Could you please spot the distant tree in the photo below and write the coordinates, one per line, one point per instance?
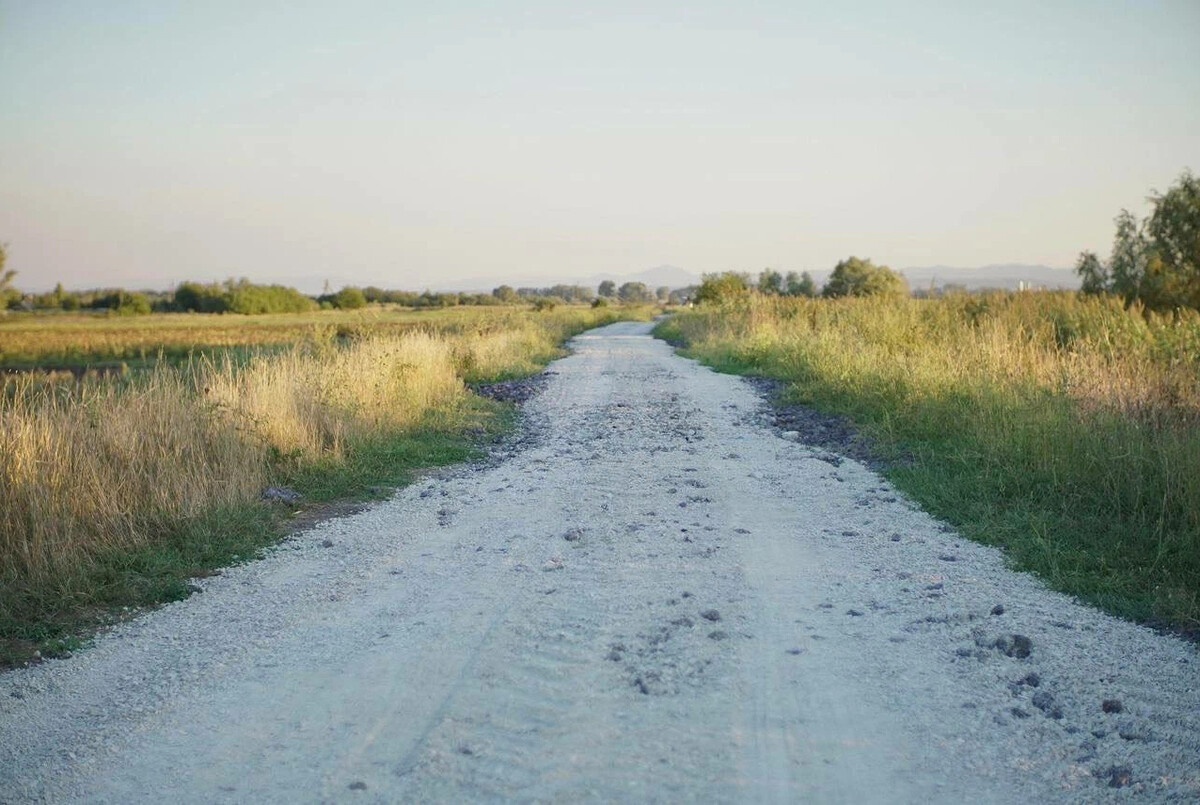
(720, 288)
(1093, 273)
(770, 282)
(607, 289)
(857, 277)
(1155, 262)
(192, 296)
(1174, 230)
(663, 293)
(800, 284)
(506, 294)
(632, 293)
(8, 294)
(349, 298)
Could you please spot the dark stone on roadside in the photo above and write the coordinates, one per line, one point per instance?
(717, 634)
(1118, 776)
(574, 535)
(326, 543)
(1019, 713)
(742, 530)
(518, 390)
(358, 785)
(642, 687)
(281, 494)
(1112, 706)
(1017, 646)
(825, 606)
(685, 594)
(948, 557)
(195, 588)
(711, 615)
(1131, 731)
(935, 586)
(998, 609)
(896, 537)
(683, 620)
(854, 613)
(1031, 679)
(795, 651)
(1044, 701)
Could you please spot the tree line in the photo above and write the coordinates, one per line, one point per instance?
(244, 297)
(1155, 261)
(853, 276)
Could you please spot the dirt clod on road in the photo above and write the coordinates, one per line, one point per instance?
(540, 627)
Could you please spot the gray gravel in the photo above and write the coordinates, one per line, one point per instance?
(658, 597)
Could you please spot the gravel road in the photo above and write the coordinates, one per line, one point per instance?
(654, 596)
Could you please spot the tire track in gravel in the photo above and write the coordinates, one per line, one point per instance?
(656, 597)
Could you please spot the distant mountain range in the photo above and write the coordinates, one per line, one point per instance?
(1007, 275)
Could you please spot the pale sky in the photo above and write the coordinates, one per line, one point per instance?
(417, 144)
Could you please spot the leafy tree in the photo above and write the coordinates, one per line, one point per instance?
(1155, 262)
(192, 296)
(1174, 230)
(1093, 272)
(857, 277)
(663, 293)
(506, 294)
(720, 288)
(607, 289)
(349, 298)
(632, 293)
(8, 294)
(800, 284)
(770, 282)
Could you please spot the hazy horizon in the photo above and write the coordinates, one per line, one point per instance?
(410, 146)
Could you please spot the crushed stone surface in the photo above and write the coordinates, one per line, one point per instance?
(653, 596)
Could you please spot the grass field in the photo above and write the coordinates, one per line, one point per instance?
(115, 490)
(1066, 430)
(77, 341)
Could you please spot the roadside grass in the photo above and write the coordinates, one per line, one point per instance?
(115, 491)
(1065, 430)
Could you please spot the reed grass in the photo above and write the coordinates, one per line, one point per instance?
(1065, 429)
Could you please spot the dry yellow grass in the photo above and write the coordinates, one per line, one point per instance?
(107, 465)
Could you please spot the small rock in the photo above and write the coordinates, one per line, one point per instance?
(854, 613)
(1017, 646)
(553, 563)
(711, 615)
(948, 557)
(683, 620)
(1044, 701)
(998, 609)
(717, 634)
(794, 435)
(281, 494)
(1112, 706)
(895, 537)
(574, 535)
(742, 530)
(327, 543)
(1118, 776)
(795, 651)
(1031, 679)
(358, 785)
(1130, 731)
(1019, 713)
